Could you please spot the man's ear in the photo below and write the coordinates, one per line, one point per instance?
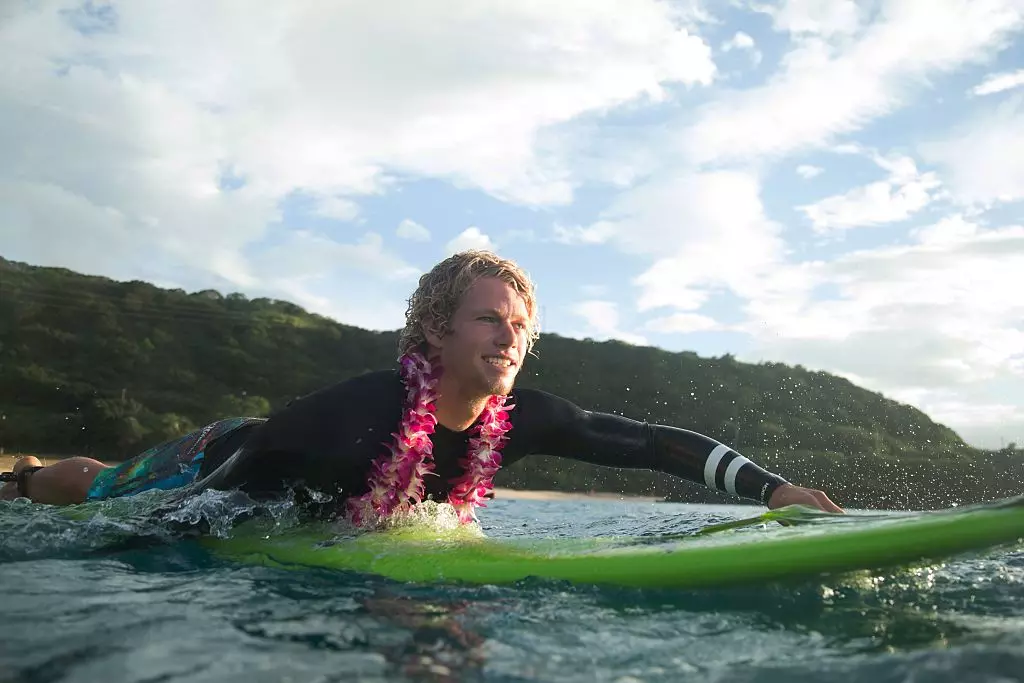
(432, 333)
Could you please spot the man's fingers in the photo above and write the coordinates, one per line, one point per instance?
(798, 495)
(825, 504)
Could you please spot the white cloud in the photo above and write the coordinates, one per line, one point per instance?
(740, 41)
(703, 230)
(598, 233)
(807, 171)
(980, 161)
(602, 318)
(379, 311)
(337, 208)
(309, 256)
(815, 17)
(523, 235)
(1000, 82)
(470, 238)
(683, 323)
(143, 118)
(30, 210)
(978, 419)
(949, 230)
(851, 148)
(743, 41)
(316, 271)
(824, 89)
(905, 192)
(411, 230)
(926, 317)
(598, 314)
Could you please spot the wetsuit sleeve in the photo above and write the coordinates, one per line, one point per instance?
(616, 441)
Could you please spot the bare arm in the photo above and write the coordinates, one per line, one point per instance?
(65, 482)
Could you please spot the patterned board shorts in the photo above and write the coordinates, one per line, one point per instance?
(170, 465)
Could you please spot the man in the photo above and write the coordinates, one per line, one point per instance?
(439, 428)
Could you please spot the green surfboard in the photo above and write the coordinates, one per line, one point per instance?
(778, 545)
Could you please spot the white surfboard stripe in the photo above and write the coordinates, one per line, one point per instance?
(711, 464)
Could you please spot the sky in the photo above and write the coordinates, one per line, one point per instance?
(835, 184)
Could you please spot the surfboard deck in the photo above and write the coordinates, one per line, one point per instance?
(717, 556)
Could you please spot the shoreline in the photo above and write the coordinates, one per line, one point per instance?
(500, 493)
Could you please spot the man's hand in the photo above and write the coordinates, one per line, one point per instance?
(788, 494)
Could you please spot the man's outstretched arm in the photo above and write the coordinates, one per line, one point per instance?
(700, 458)
(617, 441)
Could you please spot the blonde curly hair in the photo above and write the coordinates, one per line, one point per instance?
(440, 291)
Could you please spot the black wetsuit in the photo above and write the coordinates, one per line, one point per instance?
(327, 440)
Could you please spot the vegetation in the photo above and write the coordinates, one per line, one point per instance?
(93, 366)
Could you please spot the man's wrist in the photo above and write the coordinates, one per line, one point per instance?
(23, 480)
(770, 487)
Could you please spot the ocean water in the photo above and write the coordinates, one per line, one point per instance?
(79, 602)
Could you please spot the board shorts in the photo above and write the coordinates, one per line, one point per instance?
(170, 465)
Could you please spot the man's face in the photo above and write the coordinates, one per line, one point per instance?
(486, 343)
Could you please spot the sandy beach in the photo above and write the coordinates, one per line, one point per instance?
(7, 462)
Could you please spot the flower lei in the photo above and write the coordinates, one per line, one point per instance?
(396, 476)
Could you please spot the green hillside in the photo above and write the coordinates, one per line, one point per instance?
(93, 366)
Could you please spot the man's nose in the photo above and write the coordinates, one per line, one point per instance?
(506, 334)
